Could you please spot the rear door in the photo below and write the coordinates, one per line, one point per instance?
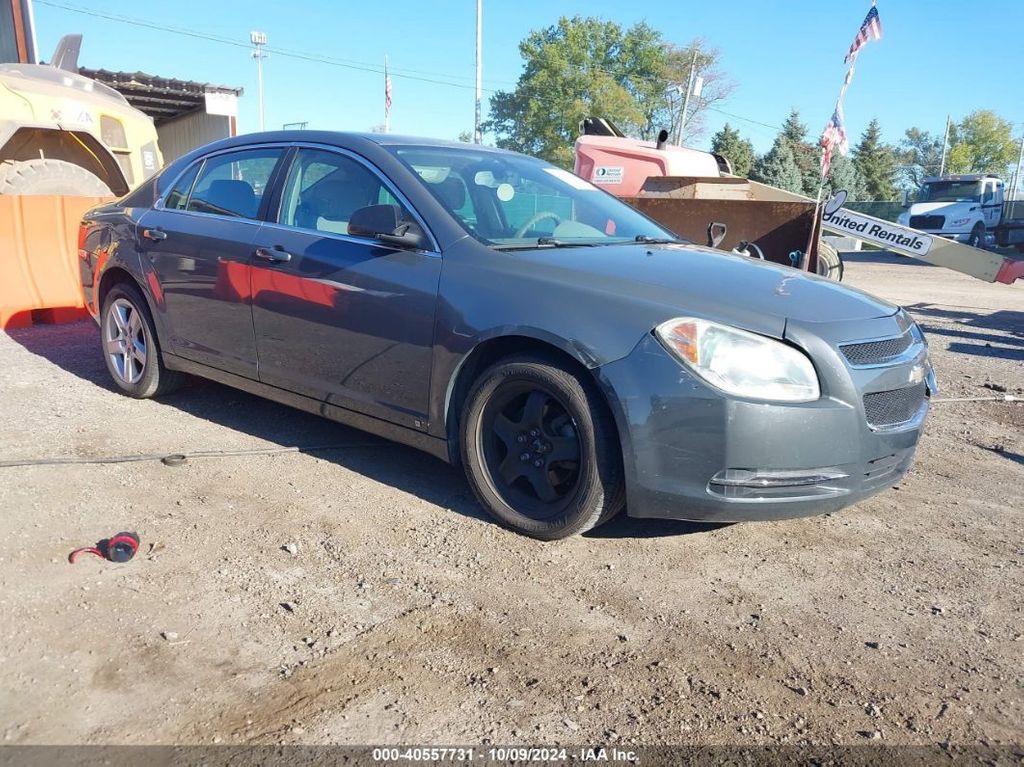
(341, 318)
(199, 245)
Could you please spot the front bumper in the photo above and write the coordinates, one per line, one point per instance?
(954, 236)
(691, 452)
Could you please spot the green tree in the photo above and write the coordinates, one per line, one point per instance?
(806, 154)
(465, 137)
(876, 163)
(575, 69)
(844, 175)
(778, 168)
(738, 151)
(919, 155)
(981, 143)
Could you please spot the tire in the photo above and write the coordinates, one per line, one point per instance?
(829, 264)
(30, 177)
(977, 238)
(126, 325)
(568, 477)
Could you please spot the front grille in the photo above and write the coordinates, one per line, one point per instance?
(877, 352)
(888, 408)
(927, 222)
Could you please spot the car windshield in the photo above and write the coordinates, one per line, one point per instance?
(510, 201)
(950, 191)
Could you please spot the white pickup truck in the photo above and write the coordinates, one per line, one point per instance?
(963, 208)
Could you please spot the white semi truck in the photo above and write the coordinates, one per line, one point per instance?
(965, 208)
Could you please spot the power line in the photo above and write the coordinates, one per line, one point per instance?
(315, 58)
(745, 119)
(405, 73)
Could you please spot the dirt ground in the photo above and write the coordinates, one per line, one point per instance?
(405, 616)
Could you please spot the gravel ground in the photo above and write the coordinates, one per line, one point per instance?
(360, 596)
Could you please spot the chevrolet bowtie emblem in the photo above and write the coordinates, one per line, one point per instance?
(917, 374)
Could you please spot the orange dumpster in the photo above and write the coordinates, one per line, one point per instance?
(39, 279)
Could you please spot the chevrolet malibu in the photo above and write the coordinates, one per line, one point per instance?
(573, 356)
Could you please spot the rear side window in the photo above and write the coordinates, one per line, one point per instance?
(233, 184)
(178, 196)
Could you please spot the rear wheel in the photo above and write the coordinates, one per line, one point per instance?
(130, 347)
(540, 449)
(29, 177)
(829, 263)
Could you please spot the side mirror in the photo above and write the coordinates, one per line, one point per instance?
(383, 223)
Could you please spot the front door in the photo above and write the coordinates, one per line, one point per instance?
(199, 245)
(344, 319)
(992, 202)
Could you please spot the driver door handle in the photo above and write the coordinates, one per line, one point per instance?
(154, 234)
(277, 254)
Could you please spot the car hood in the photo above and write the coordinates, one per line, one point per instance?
(674, 280)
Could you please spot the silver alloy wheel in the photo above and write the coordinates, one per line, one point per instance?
(124, 339)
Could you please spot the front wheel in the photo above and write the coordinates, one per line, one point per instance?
(130, 346)
(540, 448)
(977, 238)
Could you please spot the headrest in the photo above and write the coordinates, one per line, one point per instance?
(337, 199)
(233, 195)
(452, 192)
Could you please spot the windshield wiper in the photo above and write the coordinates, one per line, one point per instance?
(648, 240)
(545, 242)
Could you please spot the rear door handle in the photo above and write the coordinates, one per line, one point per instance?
(154, 234)
(277, 254)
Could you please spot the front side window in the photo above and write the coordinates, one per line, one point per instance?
(510, 201)
(233, 184)
(325, 188)
(178, 196)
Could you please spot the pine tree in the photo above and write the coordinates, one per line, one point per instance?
(876, 163)
(843, 175)
(806, 155)
(778, 168)
(738, 151)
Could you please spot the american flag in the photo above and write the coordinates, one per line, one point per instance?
(387, 90)
(833, 138)
(871, 29)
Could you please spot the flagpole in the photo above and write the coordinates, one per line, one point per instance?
(805, 260)
(870, 28)
(387, 107)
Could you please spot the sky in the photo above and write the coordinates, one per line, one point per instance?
(935, 58)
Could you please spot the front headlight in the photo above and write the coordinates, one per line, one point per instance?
(903, 219)
(740, 363)
(960, 221)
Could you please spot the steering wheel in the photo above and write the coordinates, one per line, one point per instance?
(537, 217)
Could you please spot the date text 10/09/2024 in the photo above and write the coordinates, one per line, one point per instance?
(502, 754)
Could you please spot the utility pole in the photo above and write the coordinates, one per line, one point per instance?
(478, 136)
(686, 101)
(1016, 178)
(259, 39)
(945, 143)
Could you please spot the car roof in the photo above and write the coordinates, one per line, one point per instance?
(339, 138)
(960, 177)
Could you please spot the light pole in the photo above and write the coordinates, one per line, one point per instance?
(259, 39)
(686, 101)
(477, 134)
(945, 143)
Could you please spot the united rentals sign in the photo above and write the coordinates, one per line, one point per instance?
(873, 230)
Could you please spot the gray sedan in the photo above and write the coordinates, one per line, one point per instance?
(504, 315)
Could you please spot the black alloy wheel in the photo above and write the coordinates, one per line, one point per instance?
(540, 448)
